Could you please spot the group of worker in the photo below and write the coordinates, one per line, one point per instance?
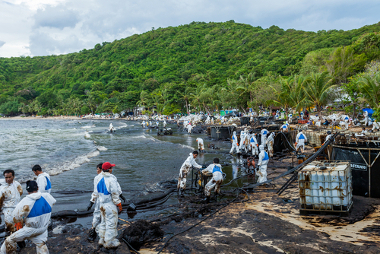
(215, 169)
(145, 124)
(248, 142)
(27, 218)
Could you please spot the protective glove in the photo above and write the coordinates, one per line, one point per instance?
(18, 225)
(120, 208)
(90, 206)
(122, 197)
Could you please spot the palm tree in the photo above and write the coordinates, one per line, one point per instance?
(284, 95)
(319, 90)
(370, 89)
(186, 96)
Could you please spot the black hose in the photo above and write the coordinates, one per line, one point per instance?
(130, 245)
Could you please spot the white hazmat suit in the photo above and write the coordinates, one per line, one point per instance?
(43, 182)
(107, 190)
(301, 139)
(234, 143)
(269, 143)
(375, 125)
(254, 145)
(263, 162)
(216, 180)
(35, 211)
(200, 144)
(242, 139)
(264, 133)
(10, 194)
(185, 169)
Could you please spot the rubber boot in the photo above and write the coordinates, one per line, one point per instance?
(20, 245)
(92, 235)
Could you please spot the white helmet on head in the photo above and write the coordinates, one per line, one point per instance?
(261, 147)
(234, 132)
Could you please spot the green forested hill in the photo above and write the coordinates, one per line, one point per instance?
(157, 67)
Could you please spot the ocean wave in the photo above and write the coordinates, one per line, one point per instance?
(62, 167)
(121, 127)
(72, 164)
(186, 146)
(88, 126)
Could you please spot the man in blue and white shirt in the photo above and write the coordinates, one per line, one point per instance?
(34, 211)
(43, 179)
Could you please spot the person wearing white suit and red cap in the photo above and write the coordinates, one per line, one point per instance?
(107, 190)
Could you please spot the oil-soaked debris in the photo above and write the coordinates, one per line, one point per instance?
(142, 232)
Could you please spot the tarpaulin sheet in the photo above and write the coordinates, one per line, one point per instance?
(362, 176)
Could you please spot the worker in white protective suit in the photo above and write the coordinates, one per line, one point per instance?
(284, 127)
(264, 133)
(108, 191)
(243, 135)
(150, 123)
(185, 169)
(263, 162)
(35, 212)
(246, 141)
(94, 231)
(143, 124)
(300, 141)
(164, 123)
(329, 135)
(189, 128)
(10, 193)
(157, 123)
(254, 146)
(235, 144)
(346, 121)
(366, 118)
(375, 125)
(201, 146)
(269, 143)
(290, 116)
(43, 179)
(216, 180)
(111, 128)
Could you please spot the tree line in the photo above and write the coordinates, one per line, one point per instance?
(199, 66)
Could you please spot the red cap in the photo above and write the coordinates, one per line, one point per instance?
(107, 165)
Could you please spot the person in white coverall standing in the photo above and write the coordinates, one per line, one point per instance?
(34, 211)
(216, 180)
(10, 193)
(185, 169)
(235, 144)
(269, 143)
(201, 146)
(300, 141)
(108, 191)
(253, 144)
(263, 162)
(264, 133)
(43, 179)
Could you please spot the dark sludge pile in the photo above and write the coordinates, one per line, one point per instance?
(142, 232)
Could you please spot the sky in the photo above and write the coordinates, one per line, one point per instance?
(52, 27)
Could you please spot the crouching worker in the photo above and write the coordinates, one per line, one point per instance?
(216, 180)
(185, 169)
(201, 146)
(35, 212)
(108, 191)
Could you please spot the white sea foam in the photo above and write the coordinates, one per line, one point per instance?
(88, 126)
(87, 135)
(102, 148)
(121, 127)
(186, 146)
(72, 164)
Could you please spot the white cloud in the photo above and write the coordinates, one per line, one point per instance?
(43, 27)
